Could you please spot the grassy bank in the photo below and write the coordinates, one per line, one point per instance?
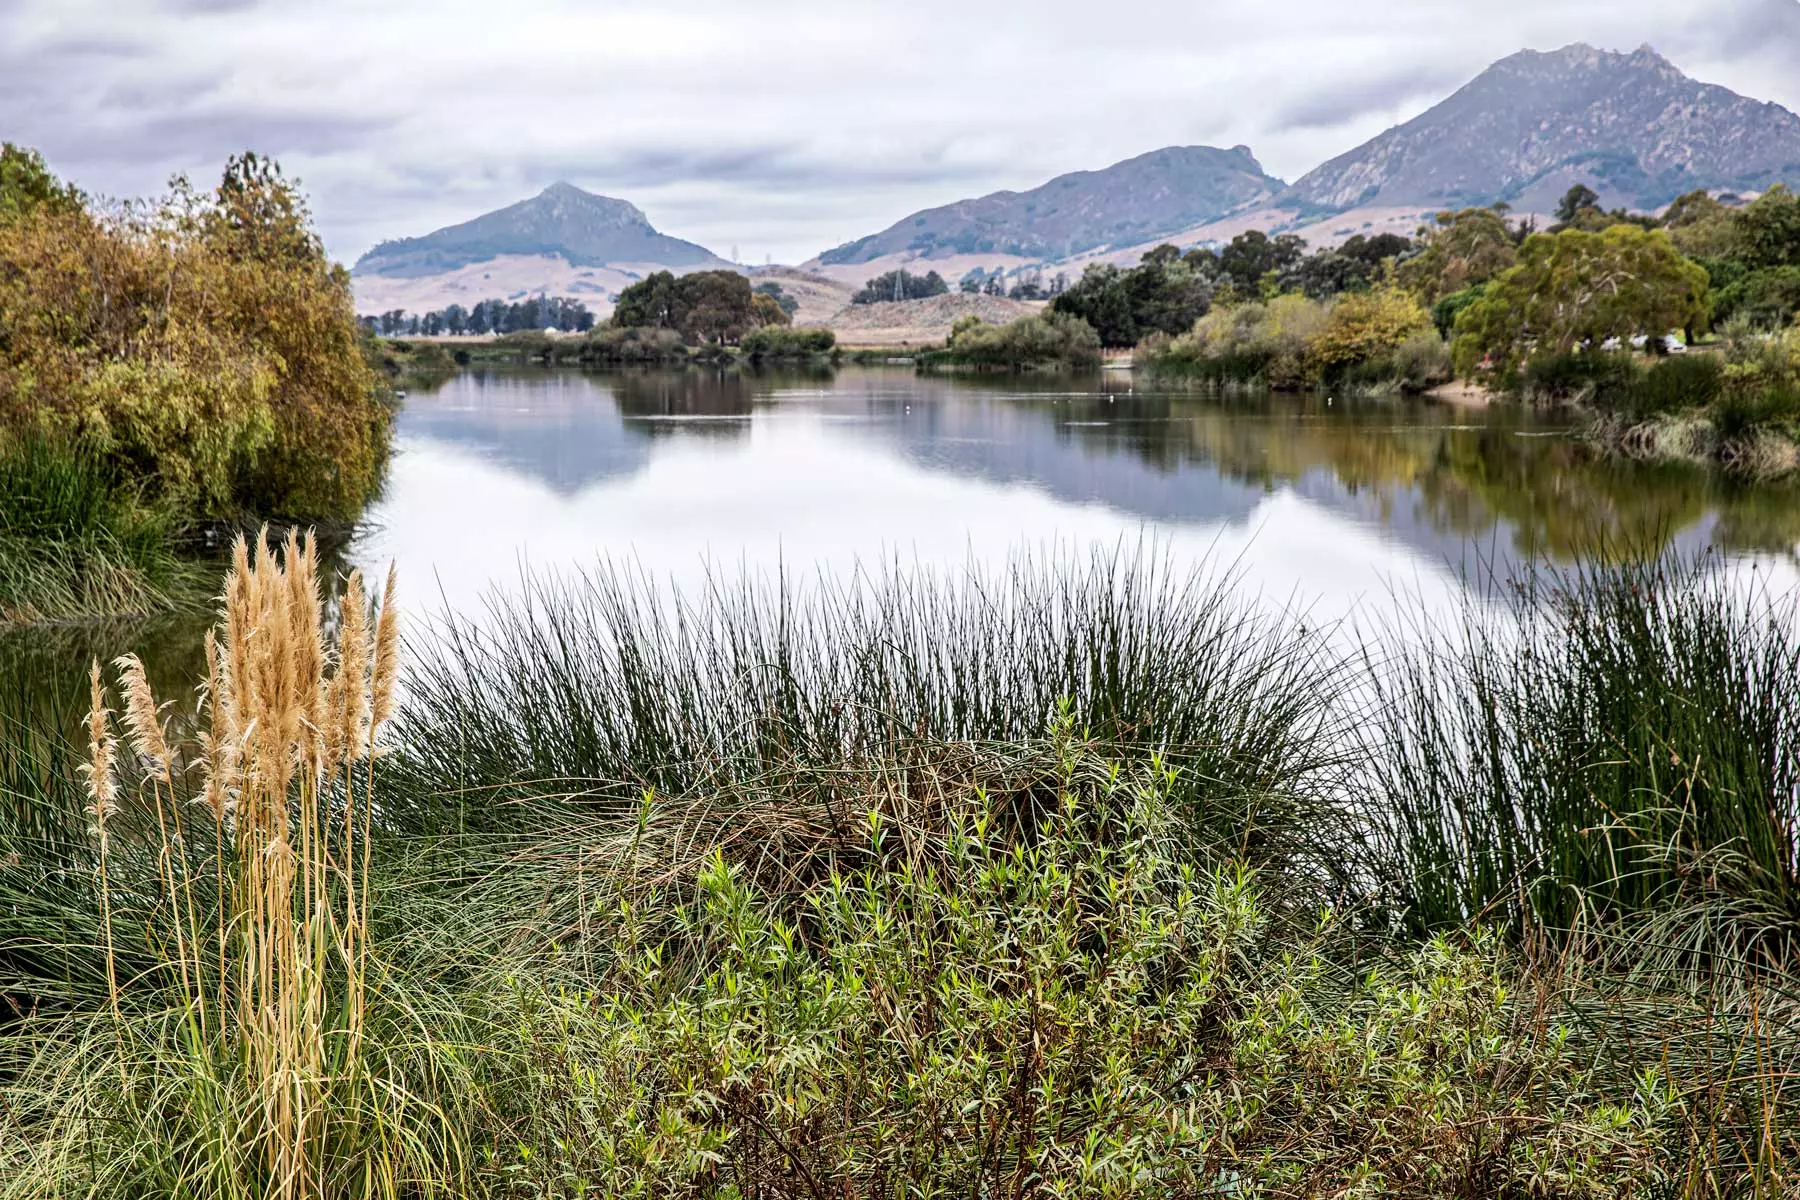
(75, 541)
(1075, 879)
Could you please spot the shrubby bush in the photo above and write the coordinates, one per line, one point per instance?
(1050, 339)
(202, 345)
(632, 345)
(968, 1008)
(778, 341)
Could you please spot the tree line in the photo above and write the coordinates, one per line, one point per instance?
(489, 316)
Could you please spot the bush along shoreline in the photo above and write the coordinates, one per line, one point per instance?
(1125, 887)
(169, 369)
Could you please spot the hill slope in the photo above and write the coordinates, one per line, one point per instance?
(1631, 126)
(1126, 203)
(561, 221)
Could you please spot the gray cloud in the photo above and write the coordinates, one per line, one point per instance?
(783, 127)
(1341, 102)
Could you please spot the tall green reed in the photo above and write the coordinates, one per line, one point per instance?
(604, 684)
(1620, 748)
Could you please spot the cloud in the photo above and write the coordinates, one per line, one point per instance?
(1340, 101)
(782, 127)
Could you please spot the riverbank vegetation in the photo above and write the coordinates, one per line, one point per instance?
(196, 358)
(1044, 341)
(1102, 880)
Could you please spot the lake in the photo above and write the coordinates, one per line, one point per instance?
(1346, 509)
(1336, 504)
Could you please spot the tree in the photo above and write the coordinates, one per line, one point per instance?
(901, 285)
(1463, 249)
(1366, 326)
(1579, 289)
(1576, 200)
(705, 306)
(1163, 295)
(774, 291)
(27, 185)
(1701, 227)
(1253, 255)
(1768, 231)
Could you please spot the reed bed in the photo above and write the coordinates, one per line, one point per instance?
(1071, 879)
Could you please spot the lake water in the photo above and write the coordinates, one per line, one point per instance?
(1349, 510)
(1339, 506)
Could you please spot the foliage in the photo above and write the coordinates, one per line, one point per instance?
(1678, 383)
(561, 313)
(1769, 297)
(703, 307)
(1604, 379)
(1269, 342)
(1446, 310)
(774, 291)
(1701, 227)
(1049, 339)
(1253, 256)
(1464, 249)
(776, 342)
(1165, 294)
(1768, 231)
(901, 285)
(613, 345)
(1355, 266)
(1366, 326)
(1577, 200)
(1575, 289)
(202, 346)
(27, 186)
(1079, 1012)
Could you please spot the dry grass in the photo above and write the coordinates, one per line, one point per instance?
(275, 981)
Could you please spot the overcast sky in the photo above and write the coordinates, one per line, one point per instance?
(781, 127)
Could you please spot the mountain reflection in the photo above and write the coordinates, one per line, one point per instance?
(1437, 480)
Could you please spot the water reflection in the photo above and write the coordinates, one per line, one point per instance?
(758, 450)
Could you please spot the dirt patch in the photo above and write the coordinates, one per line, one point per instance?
(1462, 394)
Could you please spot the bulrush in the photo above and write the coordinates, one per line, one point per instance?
(286, 717)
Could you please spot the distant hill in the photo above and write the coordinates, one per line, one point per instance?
(1631, 126)
(1128, 203)
(562, 221)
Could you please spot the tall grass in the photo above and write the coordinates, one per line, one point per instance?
(75, 545)
(233, 912)
(602, 685)
(1621, 748)
(1035, 883)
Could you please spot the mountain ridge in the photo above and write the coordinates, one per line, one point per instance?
(1631, 125)
(584, 229)
(1159, 192)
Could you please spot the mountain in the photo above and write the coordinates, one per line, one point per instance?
(1631, 126)
(1127, 203)
(562, 221)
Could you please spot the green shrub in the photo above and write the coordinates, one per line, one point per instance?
(1266, 342)
(960, 1010)
(1679, 382)
(1602, 379)
(1045, 340)
(786, 341)
(635, 345)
